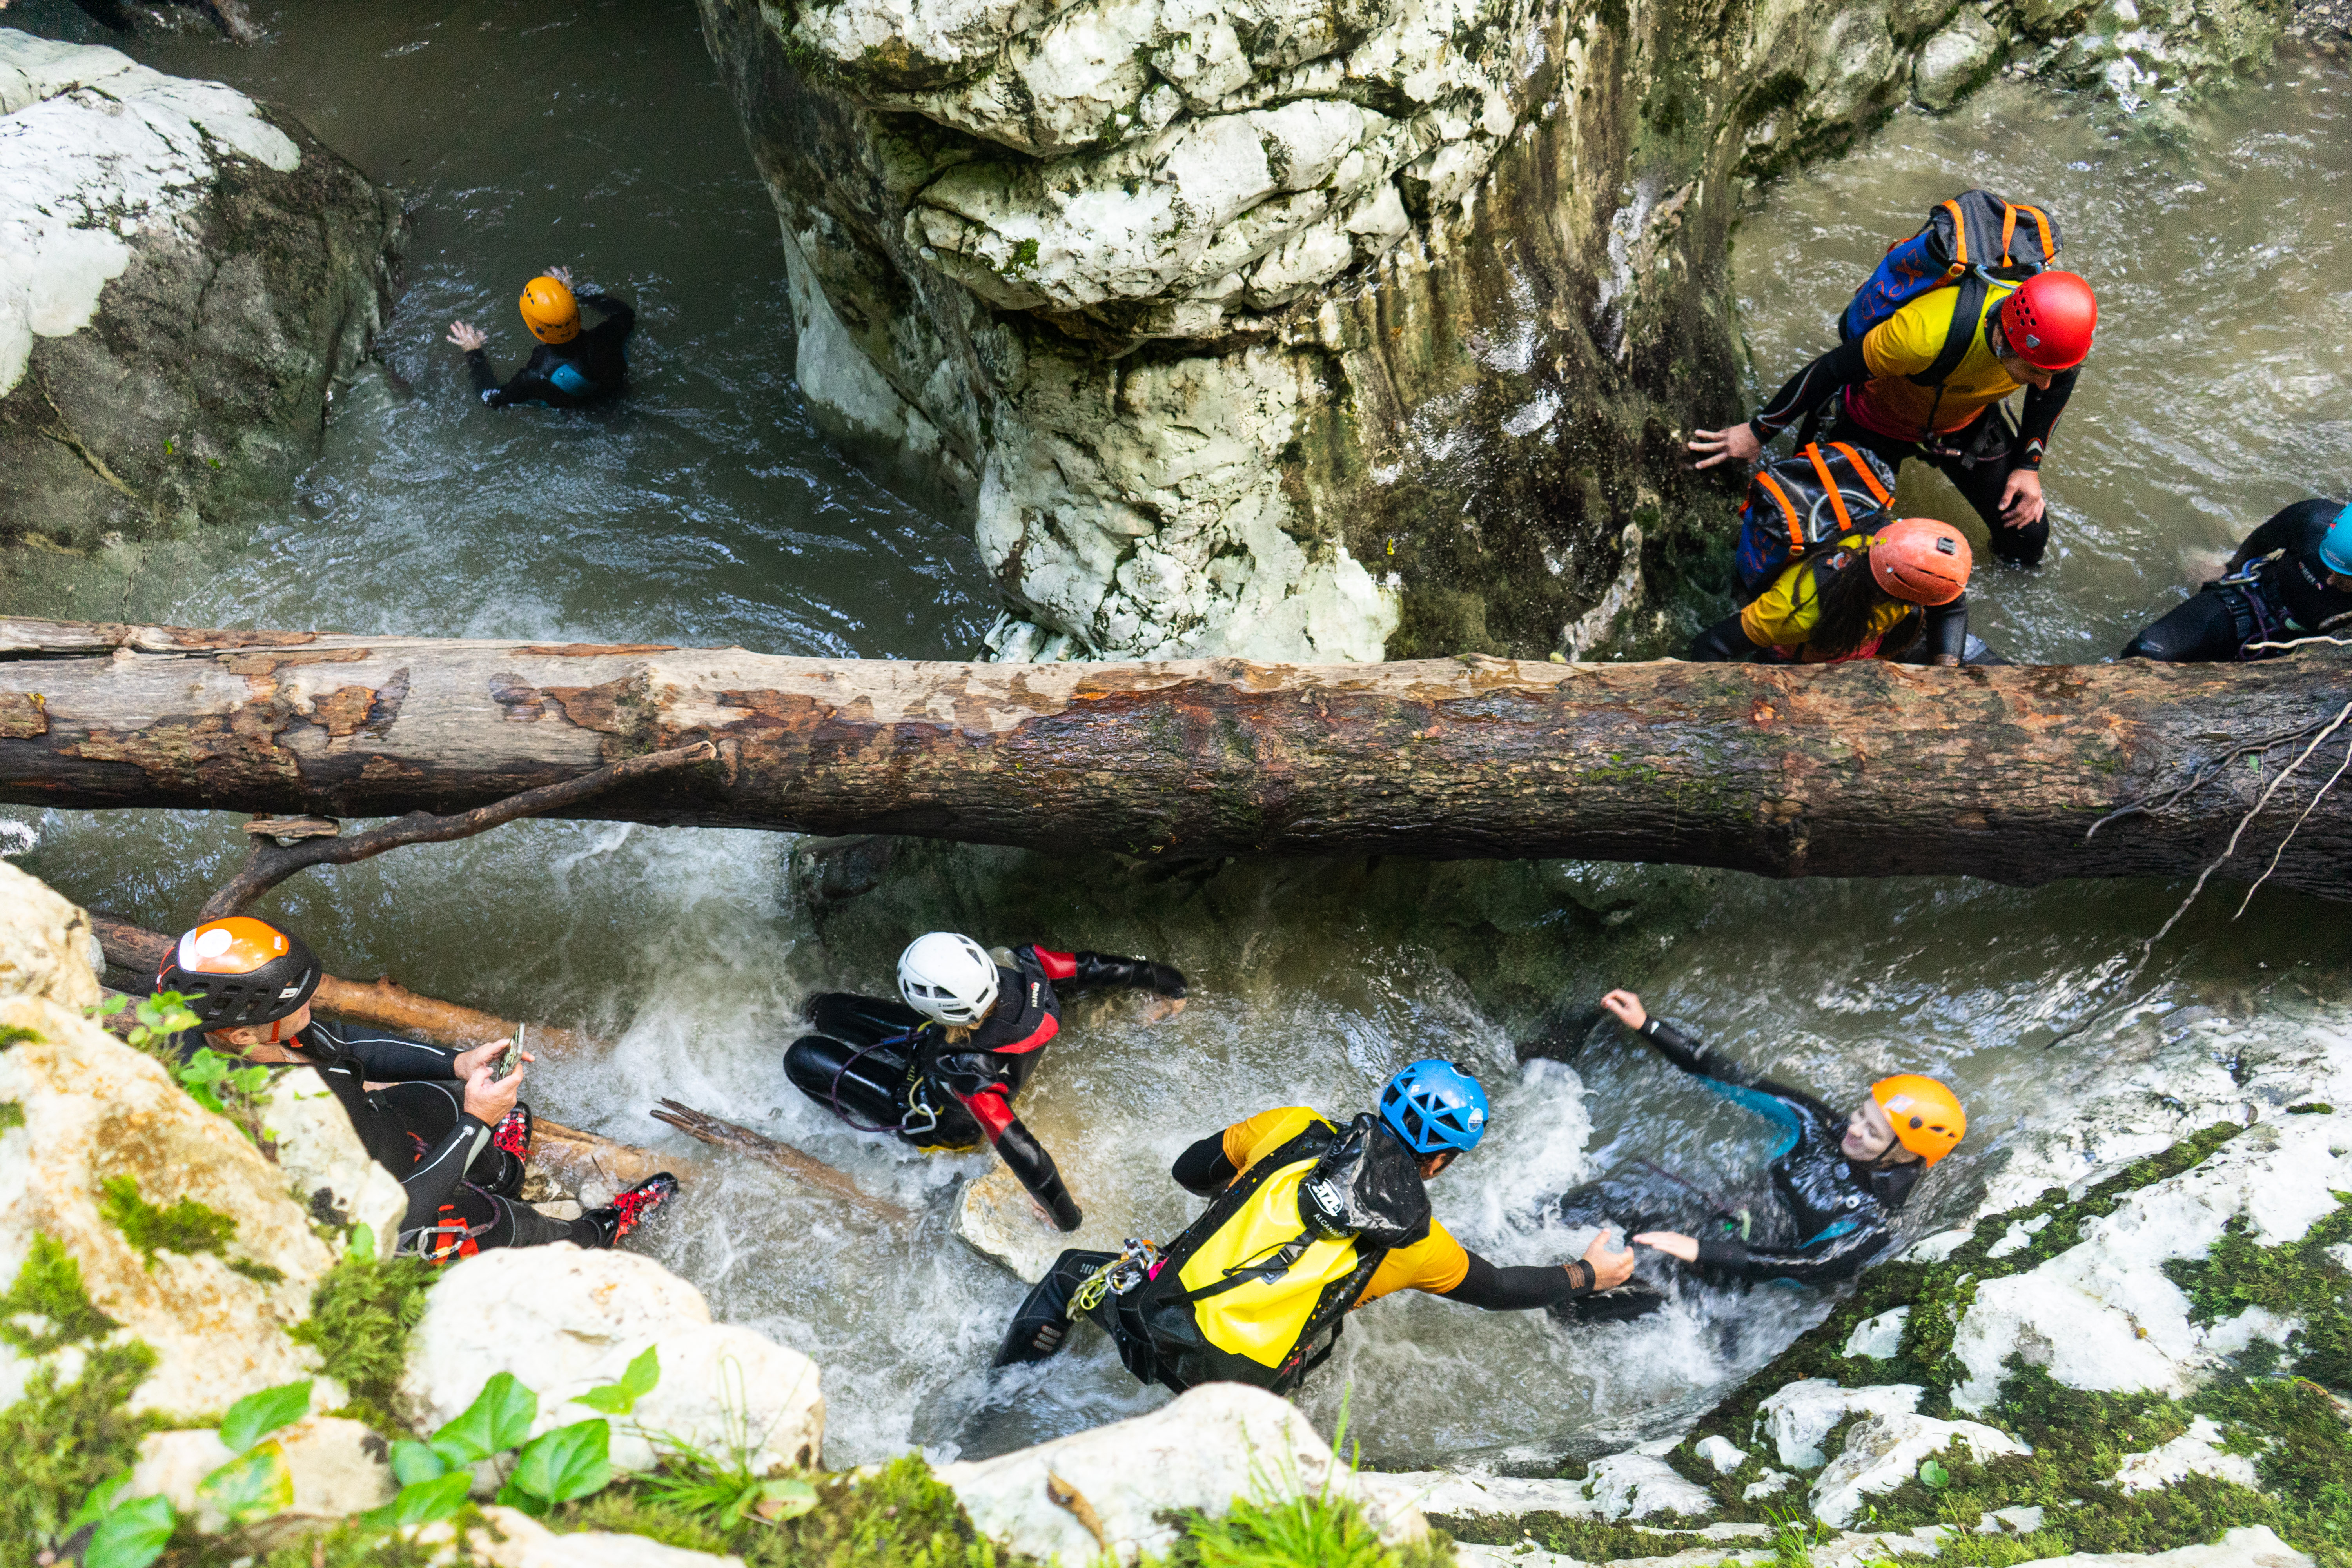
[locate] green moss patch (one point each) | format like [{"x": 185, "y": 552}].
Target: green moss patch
[
  {"x": 61, "y": 1439},
  {"x": 2298, "y": 1280},
  {"x": 47, "y": 1307},
  {"x": 187, "y": 1227},
  {"x": 1586, "y": 1540},
  {"x": 361, "y": 1316}
]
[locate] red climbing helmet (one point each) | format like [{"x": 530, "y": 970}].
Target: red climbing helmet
[
  {"x": 2049, "y": 319},
  {"x": 1921, "y": 561}
]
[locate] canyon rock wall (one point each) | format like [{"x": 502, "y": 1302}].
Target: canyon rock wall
[
  {"x": 184, "y": 277},
  {"x": 1323, "y": 330}
]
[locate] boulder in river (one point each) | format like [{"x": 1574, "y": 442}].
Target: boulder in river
[{"x": 184, "y": 277}]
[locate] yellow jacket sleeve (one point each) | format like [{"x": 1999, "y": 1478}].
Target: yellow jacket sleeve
[
  {"x": 1436, "y": 1263},
  {"x": 1247, "y": 1143}
]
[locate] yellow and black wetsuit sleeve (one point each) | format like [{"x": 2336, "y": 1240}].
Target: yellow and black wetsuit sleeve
[
  {"x": 1443, "y": 1267},
  {"x": 1209, "y": 1164},
  {"x": 1810, "y": 387}
]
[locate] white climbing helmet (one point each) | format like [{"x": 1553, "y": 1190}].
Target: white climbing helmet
[{"x": 946, "y": 975}]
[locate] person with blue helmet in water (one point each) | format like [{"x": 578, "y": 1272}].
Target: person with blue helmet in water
[
  {"x": 2291, "y": 578},
  {"x": 1308, "y": 1220}
]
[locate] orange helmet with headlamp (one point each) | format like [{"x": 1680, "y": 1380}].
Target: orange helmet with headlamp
[
  {"x": 240, "y": 971},
  {"x": 1928, "y": 1116}
]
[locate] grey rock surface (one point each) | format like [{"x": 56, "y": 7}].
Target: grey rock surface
[{"x": 185, "y": 275}]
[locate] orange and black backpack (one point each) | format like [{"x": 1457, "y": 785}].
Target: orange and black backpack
[
  {"x": 1814, "y": 497},
  {"x": 1968, "y": 242}
]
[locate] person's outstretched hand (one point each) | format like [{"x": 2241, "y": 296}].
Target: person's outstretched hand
[
  {"x": 2020, "y": 499},
  {"x": 489, "y": 1099},
  {"x": 1673, "y": 1243},
  {"x": 1626, "y": 1008},
  {"x": 468, "y": 338},
  {"x": 1732, "y": 442},
  {"x": 1610, "y": 1267},
  {"x": 562, "y": 275}
]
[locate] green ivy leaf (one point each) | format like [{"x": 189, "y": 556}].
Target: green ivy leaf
[
  {"x": 253, "y": 1485},
  {"x": 206, "y": 1066},
  {"x": 108, "y": 1008},
  {"x": 784, "y": 1497},
  {"x": 131, "y": 1536},
  {"x": 568, "y": 1462},
  {"x": 499, "y": 1418},
  {"x": 422, "y": 1502},
  {"x": 257, "y": 1416},
  {"x": 1934, "y": 1476},
  {"x": 621, "y": 1398},
  {"x": 97, "y": 1505},
  {"x": 513, "y": 1495},
  {"x": 413, "y": 1462},
  {"x": 359, "y": 1241}
]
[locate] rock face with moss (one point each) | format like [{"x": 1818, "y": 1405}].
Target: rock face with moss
[
  {"x": 185, "y": 275},
  {"x": 1315, "y": 331}
]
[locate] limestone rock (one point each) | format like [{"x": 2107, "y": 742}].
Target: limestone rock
[
  {"x": 1797, "y": 1417},
  {"x": 44, "y": 941},
  {"x": 1718, "y": 1451},
  {"x": 515, "y": 1540},
  {"x": 324, "y": 1163},
  {"x": 186, "y": 276},
  {"x": 1637, "y": 1485},
  {"x": 1770, "y": 1483},
  {"x": 338, "y": 1467},
  {"x": 1884, "y": 1451},
  {"x": 996, "y": 1214},
  {"x": 95, "y": 1110},
  {"x": 565, "y": 1321},
  {"x": 1218, "y": 1442},
  {"x": 1878, "y": 1338},
  {"x": 2103, "y": 1316},
  {"x": 2249, "y": 1546},
  {"x": 1956, "y": 61},
  {"x": 2197, "y": 1451}
]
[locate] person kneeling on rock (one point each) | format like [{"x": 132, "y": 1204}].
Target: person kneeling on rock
[
  {"x": 940, "y": 1069},
  {"x": 440, "y": 1121},
  {"x": 1837, "y": 1182},
  {"x": 569, "y": 368},
  {"x": 1306, "y": 1221},
  {"x": 1900, "y": 594}
]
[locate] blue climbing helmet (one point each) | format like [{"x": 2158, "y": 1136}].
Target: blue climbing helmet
[
  {"x": 2335, "y": 544},
  {"x": 1435, "y": 1107}
]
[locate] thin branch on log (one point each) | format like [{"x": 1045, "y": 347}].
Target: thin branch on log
[
  {"x": 269, "y": 862},
  {"x": 2299, "y": 821},
  {"x": 1860, "y": 769},
  {"x": 805, "y": 1168}
]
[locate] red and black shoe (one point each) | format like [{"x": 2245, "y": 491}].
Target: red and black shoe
[
  {"x": 513, "y": 1133},
  {"x": 632, "y": 1208}
]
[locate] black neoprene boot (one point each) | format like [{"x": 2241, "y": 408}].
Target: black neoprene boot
[{"x": 1042, "y": 1325}]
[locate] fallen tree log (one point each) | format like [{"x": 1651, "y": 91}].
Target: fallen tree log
[{"x": 1863, "y": 769}]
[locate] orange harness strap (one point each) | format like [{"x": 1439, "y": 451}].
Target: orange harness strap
[
  {"x": 1796, "y": 528},
  {"x": 1829, "y": 483},
  {"x": 2008, "y": 229},
  {"x": 1959, "y": 240},
  {"x": 1862, "y": 471}
]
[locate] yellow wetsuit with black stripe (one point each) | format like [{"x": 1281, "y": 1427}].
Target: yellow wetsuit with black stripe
[{"x": 1907, "y": 344}]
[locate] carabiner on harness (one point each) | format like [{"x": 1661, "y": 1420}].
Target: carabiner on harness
[{"x": 1126, "y": 1272}]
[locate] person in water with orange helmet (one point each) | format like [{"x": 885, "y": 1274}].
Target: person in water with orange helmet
[
  {"x": 1837, "y": 1180},
  {"x": 1901, "y": 593},
  {"x": 2033, "y": 335},
  {"x": 442, "y": 1122},
  {"x": 569, "y": 368}
]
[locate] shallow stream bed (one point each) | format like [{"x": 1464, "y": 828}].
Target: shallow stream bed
[{"x": 707, "y": 512}]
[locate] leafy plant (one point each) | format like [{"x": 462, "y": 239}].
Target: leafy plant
[
  {"x": 215, "y": 1082},
  {"x": 255, "y": 1484},
  {"x": 257, "y": 1416},
  {"x": 1934, "y": 1476},
  {"x": 498, "y": 1419},
  {"x": 155, "y": 1019},
  {"x": 129, "y": 1535},
  {"x": 559, "y": 1466},
  {"x": 48, "y": 1286},
  {"x": 621, "y": 1398}
]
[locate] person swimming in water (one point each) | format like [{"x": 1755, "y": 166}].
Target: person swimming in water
[
  {"x": 569, "y": 368},
  {"x": 1838, "y": 1182}
]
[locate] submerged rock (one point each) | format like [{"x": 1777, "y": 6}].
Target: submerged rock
[
  {"x": 184, "y": 276},
  {"x": 1884, "y": 1451},
  {"x": 1299, "y": 332}
]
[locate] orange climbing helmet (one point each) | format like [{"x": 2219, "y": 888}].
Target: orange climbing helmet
[
  {"x": 1928, "y": 1116},
  {"x": 1921, "y": 561},
  {"x": 550, "y": 311},
  {"x": 239, "y": 972}
]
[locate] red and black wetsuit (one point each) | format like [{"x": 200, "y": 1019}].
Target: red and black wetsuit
[{"x": 883, "y": 1067}]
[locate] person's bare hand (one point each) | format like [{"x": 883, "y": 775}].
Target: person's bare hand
[
  {"x": 483, "y": 1056},
  {"x": 489, "y": 1099},
  {"x": 1671, "y": 1243},
  {"x": 562, "y": 275},
  {"x": 1733, "y": 442},
  {"x": 468, "y": 338},
  {"x": 2020, "y": 499},
  {"x": 1610, "y": 1267},
  {"x": 1626, "y": 1008}
]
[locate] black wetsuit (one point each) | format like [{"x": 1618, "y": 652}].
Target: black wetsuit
[
  {"x": 1825, "y": 1216},
  {"x": 1978, "y": 457},
  {"x": 416, "y": 1127},
  {"x": 883, "y": 1067},
  {"x": 589, "y": 369},
  {"x": 2281, "y": 599}
]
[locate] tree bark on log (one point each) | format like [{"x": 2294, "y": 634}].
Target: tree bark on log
[{"x": 1861, "y": 769}]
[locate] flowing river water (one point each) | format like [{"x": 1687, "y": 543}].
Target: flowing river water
[{"x": 707, "y": 511}]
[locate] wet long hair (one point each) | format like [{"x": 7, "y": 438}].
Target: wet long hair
[{"x": 1849, "y": 597}]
